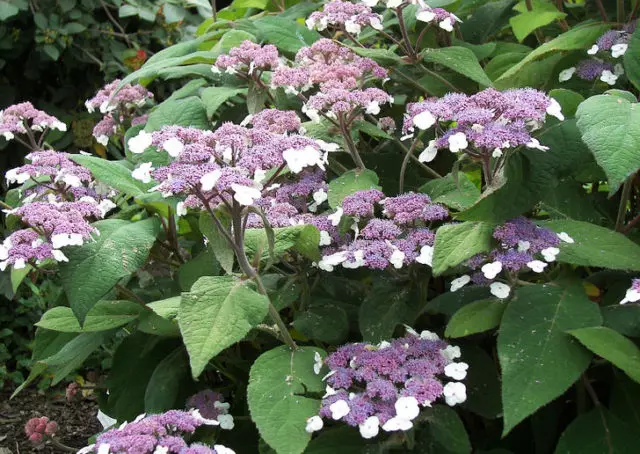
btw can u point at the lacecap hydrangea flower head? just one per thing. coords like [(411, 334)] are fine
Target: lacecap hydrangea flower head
[(384, 386), (24, 120), (522, 247), (154, 434)]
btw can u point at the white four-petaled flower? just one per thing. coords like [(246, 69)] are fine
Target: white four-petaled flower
[(491, 270), (140, 142), (457, 371), (457, 142), (370, 427), (245, 195), (499, 290), (454, 393), (339, 409), (460, 282), (143, 172), (314, 424)]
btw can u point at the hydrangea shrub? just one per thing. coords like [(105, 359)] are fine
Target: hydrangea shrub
[(351, 227)]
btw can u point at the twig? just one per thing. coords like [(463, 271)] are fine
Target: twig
[(622, 208), (603, 12), (115, 22), (598, 405)]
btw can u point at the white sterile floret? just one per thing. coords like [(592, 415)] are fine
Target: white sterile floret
[(59, 240), (460, 282), (457, 371), (424, 120), (618, 50), (352, 27), (446, 24), (454, 393), (329, 391), (105, 420), (209, 180), (457, 142), (631, 296), (426, 255), (143, 172), (550, 253), (618, 69), (207, 422), (311, 113), (327, 146), (523, 246), (373, 108), (608, 77), (396, 423), (593, 50), (181, 210), (394, 3), (555, 110), (564, 236), (537, 266), (356, 262), (370, 427), (301, 158), (59, 256), (335, 217), (407, 407), (429, 335), (259, 175), (339, 409), (499, 290), (140, 142), (566, 74), (102, 140), (376, 23), (13, 176), (220, 449), (325, 238), (491, 270), (19, 264), (397, 258), (328, 262), (370, 3), (245, 195), (314, 424), (425, 15), (173, 146), (429, 153), (535, 144), (161, 450), (226, 422), (104, 448), (497, 153), (320, 196), (317, 363), (451, 352)]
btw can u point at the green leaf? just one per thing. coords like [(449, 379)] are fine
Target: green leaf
[(587, 434), (278, 383), (18, 276), (214, 97), (164, 385), (625, 319), (52, 51), (7, 10), (385, 57), (218, 312), (340, 439), (204, 264), (527, 22), (481, 51), (256, 97), (456, 243), (458, 193), (613, 347), (74, 27), (595, 246), (326, 322), (610, 127), (449, 302), (624, 395), (632, 59), (382, 310), (112, 174), (217, 242), (350, 182), (95, 267), (182, 112), (486, 20), (301, 238), (103, 316), (476, 317), (569, 100), (445, 434), (287, 35), (482, 382), (260, 4), (459, 59), (370, 129), (539, 360), (167, 308), (580, 37)]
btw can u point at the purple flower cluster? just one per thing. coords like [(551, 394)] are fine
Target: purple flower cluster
[(344, 15), (160, 433), (230, 164), (445, 20), (248, 58), (398, 239), (118, 108), (24, 119), (523, 246), (340, 76), (211, 406), (485, 123), (384, 385)]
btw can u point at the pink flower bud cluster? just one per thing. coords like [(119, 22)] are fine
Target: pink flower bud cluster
[(23, 118), (248, 58), (117, 108), (38, 429), (160, 433), (344, 15), (384, 386), (484, 123)]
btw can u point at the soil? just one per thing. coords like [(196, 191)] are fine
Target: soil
[(76, 420)]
